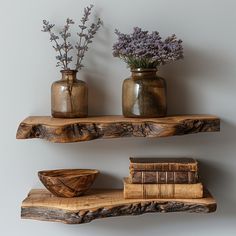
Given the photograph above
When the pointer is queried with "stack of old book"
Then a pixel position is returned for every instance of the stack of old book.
(163, 178)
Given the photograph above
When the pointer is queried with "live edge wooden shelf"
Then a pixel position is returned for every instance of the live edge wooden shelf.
(42, 205)
(101, 127)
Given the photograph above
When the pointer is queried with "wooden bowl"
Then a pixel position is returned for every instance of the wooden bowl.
(68, 182)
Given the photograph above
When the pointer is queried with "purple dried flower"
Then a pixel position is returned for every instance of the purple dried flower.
(69, 21)
(47, 26)
(87, 13)
(66, 45)
(147, 50)
(53, 37)
(85, 38)
(83, 27)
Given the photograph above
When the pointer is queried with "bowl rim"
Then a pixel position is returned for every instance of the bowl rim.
(46, 172)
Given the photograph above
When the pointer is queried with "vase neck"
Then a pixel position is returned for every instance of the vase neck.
(69, 75)
(139, 72)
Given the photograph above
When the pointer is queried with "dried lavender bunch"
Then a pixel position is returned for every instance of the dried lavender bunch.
(141, 49)
(85, 38)
(47, 27)
(66, 46)
(63, 46)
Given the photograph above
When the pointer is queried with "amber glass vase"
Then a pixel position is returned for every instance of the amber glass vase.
(69, 96)
(144, 94)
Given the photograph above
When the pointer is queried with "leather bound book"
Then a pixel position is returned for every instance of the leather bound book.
(163, 164)
(162, 191)
(164, 177)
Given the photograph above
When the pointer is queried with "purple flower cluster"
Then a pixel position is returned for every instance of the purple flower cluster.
(63, 49)
(142, 49)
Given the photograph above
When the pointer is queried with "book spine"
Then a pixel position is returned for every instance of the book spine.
(164, 177)
(163, 167)
(163, 191)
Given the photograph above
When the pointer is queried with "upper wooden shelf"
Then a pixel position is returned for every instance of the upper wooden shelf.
(101, 127)
(42, 205)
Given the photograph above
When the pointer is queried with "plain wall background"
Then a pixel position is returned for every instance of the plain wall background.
(203, 83)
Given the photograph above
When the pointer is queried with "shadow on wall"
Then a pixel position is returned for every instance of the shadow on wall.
(214, 176)
(97, 77)
(106, 180)
(205, 67)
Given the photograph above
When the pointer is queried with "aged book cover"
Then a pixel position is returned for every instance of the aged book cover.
(163, 164)
(164, 177)
(168, 191)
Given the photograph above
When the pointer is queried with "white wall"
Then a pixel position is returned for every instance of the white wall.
(203, 83)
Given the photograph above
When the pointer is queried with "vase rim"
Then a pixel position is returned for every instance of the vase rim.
(143, 69)
(69, 71)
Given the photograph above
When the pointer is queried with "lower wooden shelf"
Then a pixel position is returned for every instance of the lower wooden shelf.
(101, 203)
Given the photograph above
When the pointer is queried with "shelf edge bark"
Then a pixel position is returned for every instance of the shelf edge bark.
(85, 129)
(40, 205)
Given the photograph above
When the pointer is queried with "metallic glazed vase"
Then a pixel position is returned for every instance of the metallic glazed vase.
(144, 94)
(69, 96)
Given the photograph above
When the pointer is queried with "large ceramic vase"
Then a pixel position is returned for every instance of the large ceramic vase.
(69, 96)
(144, 94)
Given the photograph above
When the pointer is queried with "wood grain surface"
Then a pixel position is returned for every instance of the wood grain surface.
(85, 129)
(42, 205)
(68, 182)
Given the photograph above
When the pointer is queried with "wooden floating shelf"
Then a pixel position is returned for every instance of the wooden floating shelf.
(101, 127)
(42, 205)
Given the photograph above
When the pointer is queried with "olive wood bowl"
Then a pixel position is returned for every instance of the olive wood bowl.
(68, 182)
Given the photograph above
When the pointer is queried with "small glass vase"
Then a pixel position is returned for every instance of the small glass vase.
(69, 96)
(144, 94)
